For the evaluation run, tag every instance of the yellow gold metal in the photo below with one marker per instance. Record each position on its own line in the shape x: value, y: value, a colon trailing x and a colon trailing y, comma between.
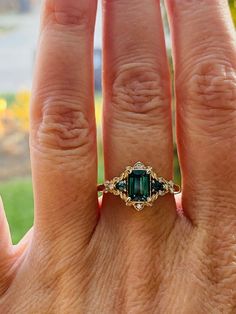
x: 110, y: 187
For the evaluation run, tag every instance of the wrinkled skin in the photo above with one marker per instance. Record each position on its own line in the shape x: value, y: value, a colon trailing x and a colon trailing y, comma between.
x: 87, y: 257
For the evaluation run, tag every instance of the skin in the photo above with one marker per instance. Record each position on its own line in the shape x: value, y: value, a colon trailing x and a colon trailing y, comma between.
x: 85, y: 257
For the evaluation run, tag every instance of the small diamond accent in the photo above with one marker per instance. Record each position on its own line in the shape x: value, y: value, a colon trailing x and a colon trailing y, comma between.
x: 111, y: 186
x: 139, y: 206
x: 139, y: 165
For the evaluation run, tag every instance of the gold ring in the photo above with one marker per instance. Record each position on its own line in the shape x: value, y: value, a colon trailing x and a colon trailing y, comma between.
x: 139, y: 186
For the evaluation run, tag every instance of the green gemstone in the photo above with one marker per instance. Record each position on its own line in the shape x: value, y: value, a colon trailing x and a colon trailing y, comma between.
x: 157, y: 186
x: 121, y: 186
x: 139, y: 185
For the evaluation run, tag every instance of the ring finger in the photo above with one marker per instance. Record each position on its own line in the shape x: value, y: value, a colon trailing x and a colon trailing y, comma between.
x: 137, y: 108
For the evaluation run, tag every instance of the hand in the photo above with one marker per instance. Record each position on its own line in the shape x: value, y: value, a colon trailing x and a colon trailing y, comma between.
x: 81, y: 257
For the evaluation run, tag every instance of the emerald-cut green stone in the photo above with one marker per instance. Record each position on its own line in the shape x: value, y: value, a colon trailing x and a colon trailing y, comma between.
x: 139, y: 185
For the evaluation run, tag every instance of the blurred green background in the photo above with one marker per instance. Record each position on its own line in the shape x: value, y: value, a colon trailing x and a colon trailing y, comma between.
x: 15, y: 179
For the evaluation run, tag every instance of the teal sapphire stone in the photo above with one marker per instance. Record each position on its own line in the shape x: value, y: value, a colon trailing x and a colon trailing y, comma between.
x: 139, y: 187
x: 121, y: 186
x: 157, y: 186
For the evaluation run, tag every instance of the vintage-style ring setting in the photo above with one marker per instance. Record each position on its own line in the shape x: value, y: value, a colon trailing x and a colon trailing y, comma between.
x: 139, y: 186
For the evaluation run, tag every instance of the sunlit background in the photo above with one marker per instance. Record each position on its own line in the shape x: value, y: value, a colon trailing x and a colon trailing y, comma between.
x: 19, y: 23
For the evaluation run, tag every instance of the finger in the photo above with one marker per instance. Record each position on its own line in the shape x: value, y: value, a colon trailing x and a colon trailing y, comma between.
x: 137, y: 112
x: 178, y: 201
x: 23, y: 245
x: 5, y: 237
x: 63, y: 131
x: 5, y: 246
x: 205, y: 72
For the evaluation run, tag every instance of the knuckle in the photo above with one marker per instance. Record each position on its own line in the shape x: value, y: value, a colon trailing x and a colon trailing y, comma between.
x: 139, y: 92
x: 63, y: 126
x: 213, y: 85
x: 209, y: 96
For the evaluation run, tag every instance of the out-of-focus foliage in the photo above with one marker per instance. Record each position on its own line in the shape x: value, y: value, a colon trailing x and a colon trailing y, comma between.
x: 20, y: 109
x: 18, y: 202
x: 232, y: 4
x: 98, y: 110
x: 14, y: 113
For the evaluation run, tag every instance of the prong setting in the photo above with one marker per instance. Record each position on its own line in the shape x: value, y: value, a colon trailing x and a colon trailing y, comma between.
x: 148, y: 193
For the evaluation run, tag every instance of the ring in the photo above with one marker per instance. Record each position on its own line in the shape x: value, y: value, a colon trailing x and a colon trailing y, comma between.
x: 139, y: 186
